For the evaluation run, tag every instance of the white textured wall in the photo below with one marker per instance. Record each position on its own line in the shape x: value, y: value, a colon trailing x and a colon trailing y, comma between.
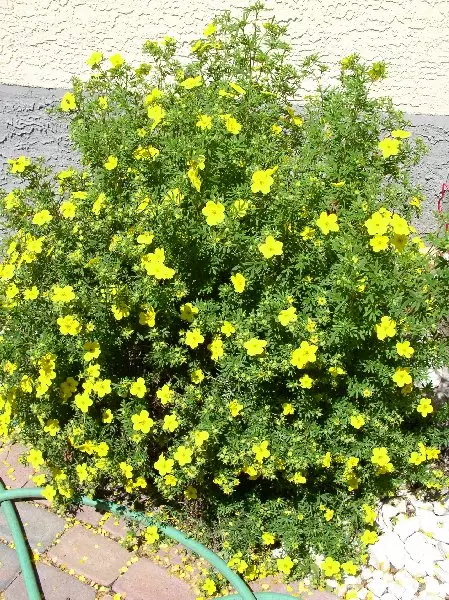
x: 45, y: 42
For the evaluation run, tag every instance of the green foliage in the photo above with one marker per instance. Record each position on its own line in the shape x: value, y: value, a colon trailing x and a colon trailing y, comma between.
x: 244, y: 273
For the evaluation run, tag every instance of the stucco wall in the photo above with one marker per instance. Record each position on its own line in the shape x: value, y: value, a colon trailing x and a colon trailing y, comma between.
x: 44, y: 42
x: 26, y: 128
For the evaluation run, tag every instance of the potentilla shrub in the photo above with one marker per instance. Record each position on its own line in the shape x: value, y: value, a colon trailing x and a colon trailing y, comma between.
x: 226, y: 311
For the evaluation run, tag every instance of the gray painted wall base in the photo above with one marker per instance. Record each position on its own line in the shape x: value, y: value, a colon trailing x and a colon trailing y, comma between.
x: 26, y: 128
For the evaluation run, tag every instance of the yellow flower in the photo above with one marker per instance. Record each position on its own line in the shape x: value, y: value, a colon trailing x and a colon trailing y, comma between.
x: 165, y: 394
x: 378, y: 223
x: 194, y: 338
x: 231, y: 124
x: 142, y: 421
x: 92, y: 350
x: 298, y: 478
x: 192, y: 82
x: 94, y: 59
x: 111, y: 163
x: 208, y: 31
x: 148, y: 317
x: 197, y: 376
x: 191, y: 493
x: 285, y: 565
x: 126, y: 469
x: 235, y: 407
x: 201, y: 437
x: 379, y: 243
x: 240, y: 208
x: 338, y: 184
x: 404, y: 349
x: 63, y: 294
x: 49, y: 493
x: 99, y: 203
x: 329, y: 514
x: 120, y: 310
x: 102, y: 449
x: 35, y: 458
x: 216, y: 348
x: 69, y: 325
x: 287, y: 316
x: 306, y: 382
x: 52, y: 427
x: 31, y: 293
x: 276, y: 129
x: 402, y: 377
x: 164, y: 465
x: 68, y: 209
x: 151, y: 535
x: 204, y: 122
x: 254, y: 346
x: 370, y: 514
x: 425, y: 407
x: 188, y: 312
x: 386, y: 328
x: 400, y: 133
x: 400, y: 225
x: 369, y: 537
x: 327, y: 223
x: 357, y: 421
x: 83, y: 402
x: 239, y: 282
x: 326, y: 460
x: 268, y: 539
x: 261, y: 181
x: 261, y: 451
x: 389, y: 147
x: 350, y: 569
x: 42, y: 217
x: 330, y: 567
x: 170, y: 423
x: 174, y: 195
x: 145, y: 238
x: 214, y: 213
x: 138, y: 388
x: 271, y: 247
x: 183, y: 455
x: 68, y: 102
x: 18, y: 165
x: 107, y: 416
x: 304, y: 354
x: 209, y: 587
x: 336, y: 371
x: 380, y: 457
x: 156, y: 113
x: 227, y: 328
x: 116, y: 60
x: 287, y: 409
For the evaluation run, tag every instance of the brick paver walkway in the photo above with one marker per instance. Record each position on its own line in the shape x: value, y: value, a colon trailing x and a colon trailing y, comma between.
x: 81, y: 558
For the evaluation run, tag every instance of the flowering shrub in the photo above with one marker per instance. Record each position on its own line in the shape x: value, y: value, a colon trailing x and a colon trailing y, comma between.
x: 226, y: 311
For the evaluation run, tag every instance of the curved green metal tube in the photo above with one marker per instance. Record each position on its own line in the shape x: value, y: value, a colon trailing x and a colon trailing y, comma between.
x: 29, y: 575
x: 244, y: 592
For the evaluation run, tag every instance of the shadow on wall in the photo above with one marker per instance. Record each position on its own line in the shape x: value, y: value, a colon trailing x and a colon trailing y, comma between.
x: 26, y: 128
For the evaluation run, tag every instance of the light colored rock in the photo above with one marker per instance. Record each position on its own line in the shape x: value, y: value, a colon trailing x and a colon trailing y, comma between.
x: 401, y: 505
x: 362, y: 594
x: 391, y: 546
x: 432, y: 585
x: 439, y: 509
x: 378, y: 556
x: 418, y: 548
x: 404, y: 528
x: 428, y: 522
x: 396, y: 589
x: 404, y: 579
x: 352, y: 580
x: 366, y: 574
x: 441, y: 534
x: 442, y: 570
x: 377, y: 586
x: 416, y: 569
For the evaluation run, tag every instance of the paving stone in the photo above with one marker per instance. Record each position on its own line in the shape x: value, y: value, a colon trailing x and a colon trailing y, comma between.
x: 90, y: 554
x: 55, y: 585
x: 14, y: 473
x: 115, y: 527
x: 88, y: 515
x: 40, y: 526
x: 9, y: 566
x: 144, y: 580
